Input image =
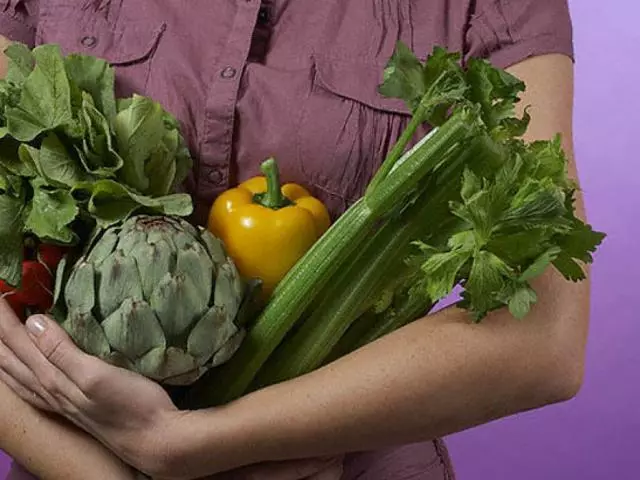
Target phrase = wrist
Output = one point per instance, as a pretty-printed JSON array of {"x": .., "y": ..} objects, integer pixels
[{"x": 197, "y": 443}]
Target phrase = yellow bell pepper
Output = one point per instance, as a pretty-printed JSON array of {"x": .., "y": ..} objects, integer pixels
[{"x": 266, "y": 227}]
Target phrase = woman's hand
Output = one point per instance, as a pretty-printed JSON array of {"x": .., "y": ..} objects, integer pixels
[{"x": 127, "y": 412}]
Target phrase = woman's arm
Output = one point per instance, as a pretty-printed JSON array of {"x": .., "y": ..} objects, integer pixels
[
  {"x": 52, "y": 448},
  {"x": 439, "y": 375},
  {"x": 436, "y": 376}
]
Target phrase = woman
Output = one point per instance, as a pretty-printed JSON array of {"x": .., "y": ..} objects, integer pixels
[{"x": 297, "y": 80}]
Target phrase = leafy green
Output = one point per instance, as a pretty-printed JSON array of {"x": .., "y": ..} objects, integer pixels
[
  {"x": 21, "y": 63},
  {"x": 52, "y": 212},
  {"x": 12, "y": 211},
  {"x": 138, "y": 131},
  {"x": 56, "y": 164},
  {"x": 429, "y": 88},
  {"x": 95, "y": 77},
  {"x": 515, "y": 200},
  {"x": 45, "y": 103},
  {"x": 109, "y": 201},
  {"x": 74, "y": 158},
  {"x": 97, "y": 154}
]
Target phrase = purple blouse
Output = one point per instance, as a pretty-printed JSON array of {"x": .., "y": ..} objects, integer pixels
[{"x": 291, "y": 78}]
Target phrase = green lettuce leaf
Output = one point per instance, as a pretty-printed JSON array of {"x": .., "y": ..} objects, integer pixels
[
  {"x": 12, "y": 212},
  {"x": 110, "y": 202},
  {"x": 52, "y": 212},
  {"x": 139, "y": 129},
  {"x": 97, "y": 154},
  {"x": 21, "y": 63},
  {"x": 97, "y": 78},
  {"x": 12, "y": 161},
  {"x": 57, "y": 165},
  {"x": 45, "y": 103}
]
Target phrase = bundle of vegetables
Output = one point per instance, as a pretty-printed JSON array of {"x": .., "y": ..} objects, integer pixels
[
  {"x": 80, "y": 168},
  {"x": 469, "y": 204}
]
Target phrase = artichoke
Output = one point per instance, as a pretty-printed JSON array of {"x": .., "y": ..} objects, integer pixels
[{"x": 154, "y": 295}]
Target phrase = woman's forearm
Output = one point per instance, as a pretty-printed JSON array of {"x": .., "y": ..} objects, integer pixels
[
  {"x": 53, "y": 449},
  {"x": 439, "y": 375}
]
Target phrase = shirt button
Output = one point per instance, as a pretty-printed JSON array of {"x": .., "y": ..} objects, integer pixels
[
  {"x": 228, "y": 72},
  {"x": 215, "y": 176},
  {"x": 89, "y": 41},
  {"x": 263, "y": 15}
]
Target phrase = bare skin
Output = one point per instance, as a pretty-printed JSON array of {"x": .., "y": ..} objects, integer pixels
[{"x": 437, "y": 376}]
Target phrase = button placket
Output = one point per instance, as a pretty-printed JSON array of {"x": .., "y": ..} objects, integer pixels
[{"x": 220, "y": 107}]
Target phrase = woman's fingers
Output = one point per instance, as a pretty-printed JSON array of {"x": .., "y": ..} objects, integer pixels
[
  {"x": 23, "y": 346},
  {"x": 60, "y": 351},
  {"x": 27, "y": 395},
  {"x": 19, "y": 373}
]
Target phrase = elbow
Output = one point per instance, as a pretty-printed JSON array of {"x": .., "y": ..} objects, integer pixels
[
  {"x": 568, "y": 380},
  {"x": 564, "y": 369}
]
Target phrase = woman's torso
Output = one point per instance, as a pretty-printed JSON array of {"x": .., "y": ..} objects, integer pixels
[{"x": 294, "y": 79}]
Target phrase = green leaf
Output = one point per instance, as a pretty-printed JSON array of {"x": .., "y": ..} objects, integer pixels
[
  {"x": 488, "y": 277},
  {"x": 10, "y": 95},
  {"x": 162, "y": 160},
  {"x": 435, "y": 85},
  {"x": 139, "y": 129},
  {"x": 404, "y": 77},
  {"x": 581, "y": 242},
  {"x": 96, "y": 77},
  {"x": 540, "y": 264},
  {"x": 57, "y": 165},
  {"x": 521, "y": 301},
  {"x": 471, "y": 185},
  {"x": 569, "y": 268},
  {"x": 21, "y": 63},
  {"x": 10, "y": 184},
  {"x": 30, "y": 157},
  {"x": 441, "y": 272},
  {"x": 11, "y": 160},
  {"x": 537, "y": 202},
  {"x": 497, "y": 92},
  {"x": 547, "y": 159},
  {"x": 520, "y": 246},
  {"x": 11, "y": 230},
  {"x": 111, "y": 202},
  {"x": 52, "y": 213},
  {"x": 46, "y": 98},
  {"x": 98, "y": 154}
]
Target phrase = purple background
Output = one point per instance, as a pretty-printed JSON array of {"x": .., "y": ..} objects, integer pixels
[{"x": 595, "y": 436}]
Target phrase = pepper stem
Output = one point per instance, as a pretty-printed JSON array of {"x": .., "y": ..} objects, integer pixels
[{"x": 273, "y": 197}]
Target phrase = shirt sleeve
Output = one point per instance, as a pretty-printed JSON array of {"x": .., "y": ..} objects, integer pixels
[
  {"x": 508, "y": 31},
  {"x": 18, "y": 20}
]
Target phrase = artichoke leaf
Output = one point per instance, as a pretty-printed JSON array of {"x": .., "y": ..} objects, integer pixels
[
  {"x": 80, "y": 292},
  {"x": 133, "y": 329},
  {"x": 118, "y": 281},
  {"x": 87, "y": 334},
  {"x": 178, "y": 304},
  {"x": 210, "y": 334}
]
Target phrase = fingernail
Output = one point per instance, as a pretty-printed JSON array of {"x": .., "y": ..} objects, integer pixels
[{"x": 36, "y": 325}]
